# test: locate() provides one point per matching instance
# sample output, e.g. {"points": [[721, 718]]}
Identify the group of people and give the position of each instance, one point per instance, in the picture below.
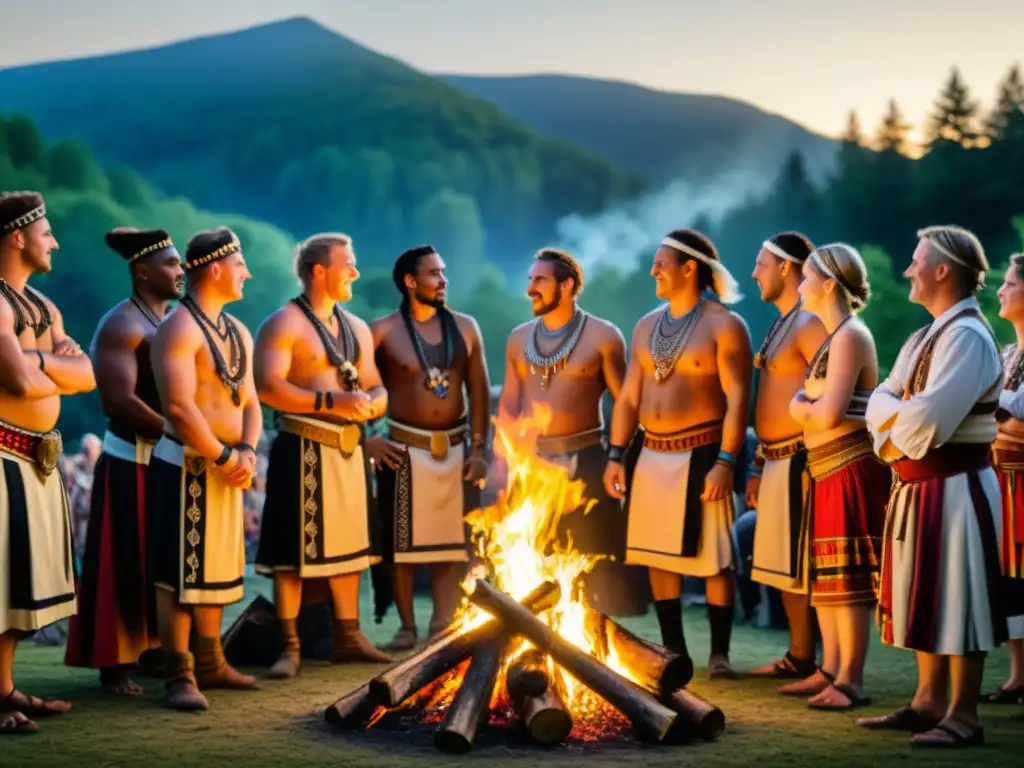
{"points": [[895, 496]]}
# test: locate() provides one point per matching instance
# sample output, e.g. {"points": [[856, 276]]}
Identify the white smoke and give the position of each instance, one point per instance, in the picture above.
{"points": [[616, 236]]}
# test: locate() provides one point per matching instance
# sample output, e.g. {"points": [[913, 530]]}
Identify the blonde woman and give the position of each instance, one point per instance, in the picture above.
{"points": [[851, 486], [1008, 455]]}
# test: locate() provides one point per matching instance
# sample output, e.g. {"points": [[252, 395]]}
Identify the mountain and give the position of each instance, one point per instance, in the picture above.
{"points": [[296, 125], [664, 135]]}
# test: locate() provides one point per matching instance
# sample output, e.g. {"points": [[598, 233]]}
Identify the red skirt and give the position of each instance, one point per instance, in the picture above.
{"points": [[1010, 468], [116, 619], [850, 493]]}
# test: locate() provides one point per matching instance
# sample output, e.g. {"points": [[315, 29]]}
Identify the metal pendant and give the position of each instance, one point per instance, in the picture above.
{"points": [[438, 382], [545, 378], [236, 396]]}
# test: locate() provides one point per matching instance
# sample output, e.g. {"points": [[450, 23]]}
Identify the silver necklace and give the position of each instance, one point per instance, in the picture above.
{"points": [[549, 364], [667, 341]]}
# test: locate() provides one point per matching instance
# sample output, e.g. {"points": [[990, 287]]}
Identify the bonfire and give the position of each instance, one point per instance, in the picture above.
{"points": [[525, 650]]}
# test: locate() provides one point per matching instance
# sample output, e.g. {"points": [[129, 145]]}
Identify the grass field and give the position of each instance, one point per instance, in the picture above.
{"points": [[282, 723]]}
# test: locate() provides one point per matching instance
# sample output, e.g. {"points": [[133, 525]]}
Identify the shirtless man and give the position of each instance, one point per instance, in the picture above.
{"points": [[199, 468], [115, 624], [567, 359], [687, 387], [430, 358], [315, 367], [39, 363], [780, 466]]}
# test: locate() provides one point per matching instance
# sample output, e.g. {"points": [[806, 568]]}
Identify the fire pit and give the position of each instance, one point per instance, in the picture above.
{"points": [[525, 650]]}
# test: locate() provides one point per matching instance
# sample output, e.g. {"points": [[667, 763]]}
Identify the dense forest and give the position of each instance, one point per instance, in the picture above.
{"points": [[968, 172]]}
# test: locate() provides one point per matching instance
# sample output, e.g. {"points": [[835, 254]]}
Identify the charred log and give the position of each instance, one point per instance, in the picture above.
{"points": [[658, 669], [651, 719], [527, 675], [471, 706], [448, 650], [698, 716], [544, 717], [352, 711]]}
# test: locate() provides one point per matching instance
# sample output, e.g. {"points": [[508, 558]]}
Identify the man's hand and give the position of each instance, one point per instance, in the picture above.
{"points": [[353, 406], [237, 471], [718, 483], [475, 470], [247, 457], [753, 487], [67, 347], [615, 480], [381, 450]]}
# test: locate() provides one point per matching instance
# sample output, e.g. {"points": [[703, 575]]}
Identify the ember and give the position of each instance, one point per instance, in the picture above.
{"points": [[525, 649]]}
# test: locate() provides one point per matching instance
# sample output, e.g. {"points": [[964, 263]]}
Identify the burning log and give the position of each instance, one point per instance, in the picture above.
{"points": [[527, 675], [544, 716], [471, 706], [451, 648], [658, 669], [698, 716], [650, 718], [352, 711]]}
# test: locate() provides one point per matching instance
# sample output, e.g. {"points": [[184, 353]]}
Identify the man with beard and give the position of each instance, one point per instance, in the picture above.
{"points": [[199, 468], [779, 484], [116, 621], [686, 387], [566, 359], [428, 476], [315, 367], [39, 363]]}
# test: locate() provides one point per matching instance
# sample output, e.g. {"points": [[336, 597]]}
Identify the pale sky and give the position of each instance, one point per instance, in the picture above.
{"points": [[810, 60]]}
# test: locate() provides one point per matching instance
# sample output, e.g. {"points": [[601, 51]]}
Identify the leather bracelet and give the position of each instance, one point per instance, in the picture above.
{"points": [[329, 400], [727, 458], [244, 447], [42, 360], [754, 470], [318, 400], [616, 453], [225, 455]]}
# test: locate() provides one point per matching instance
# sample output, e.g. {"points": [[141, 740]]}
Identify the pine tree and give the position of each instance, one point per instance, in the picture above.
{"points": [[852, 134], [893, 132], [955, 116], [1006, 120]]}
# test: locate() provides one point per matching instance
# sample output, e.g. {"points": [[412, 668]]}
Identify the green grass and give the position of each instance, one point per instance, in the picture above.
{"points": [[282, 723]]}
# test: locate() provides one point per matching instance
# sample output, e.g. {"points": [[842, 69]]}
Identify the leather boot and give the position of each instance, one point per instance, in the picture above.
{"points": [[213, 670], [349, 644], [289, 663], [180, 690]]}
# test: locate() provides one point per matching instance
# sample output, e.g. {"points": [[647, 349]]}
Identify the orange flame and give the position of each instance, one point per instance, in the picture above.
{"points": [[517, 541]]}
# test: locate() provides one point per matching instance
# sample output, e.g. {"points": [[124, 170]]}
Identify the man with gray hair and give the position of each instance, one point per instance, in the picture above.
{"points": [[933, 420], [314, 366]]}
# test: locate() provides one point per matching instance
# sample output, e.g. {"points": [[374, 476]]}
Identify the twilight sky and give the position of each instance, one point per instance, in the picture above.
{"points": [[810, 60]]}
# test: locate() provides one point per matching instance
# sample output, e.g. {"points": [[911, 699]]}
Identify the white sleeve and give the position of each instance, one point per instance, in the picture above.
{"points": [[963, 369]]}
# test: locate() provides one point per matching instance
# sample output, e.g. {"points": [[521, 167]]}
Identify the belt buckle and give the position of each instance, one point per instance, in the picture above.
{"points": [[47, 452], [439, 445], [349, 440]]}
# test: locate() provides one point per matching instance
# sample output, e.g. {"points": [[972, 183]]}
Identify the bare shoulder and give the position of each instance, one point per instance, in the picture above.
{"points": [[359, 326], [810, 327], [382, 326], [178, 327], [243, 330], [466, 323], [517, 336], [47, 301], [120, 326], [727, 323], [644, 324], [279, 323], [606, 332]]}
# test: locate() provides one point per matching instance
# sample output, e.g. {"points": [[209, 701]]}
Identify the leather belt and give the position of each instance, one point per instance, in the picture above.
{"points": [[684, 440], [345, 438], [563, 444], [43, 450], [782, 449], [438, 441]]}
